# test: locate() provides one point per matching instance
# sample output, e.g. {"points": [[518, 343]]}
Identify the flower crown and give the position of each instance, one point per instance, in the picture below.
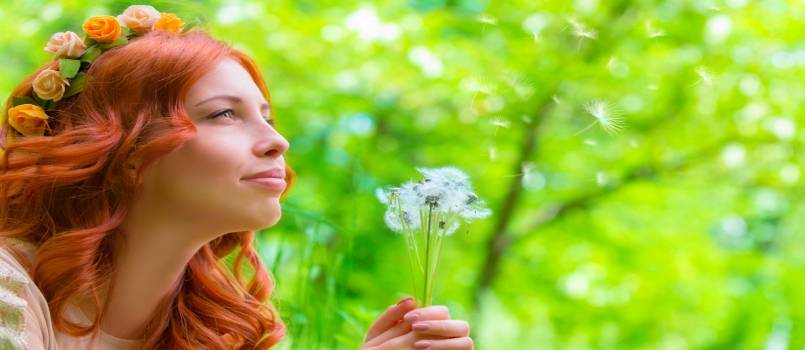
{"points": [[75, 54]]}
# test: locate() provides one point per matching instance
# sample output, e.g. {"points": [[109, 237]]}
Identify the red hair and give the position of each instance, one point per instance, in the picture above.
{"points": [[69, 190]]}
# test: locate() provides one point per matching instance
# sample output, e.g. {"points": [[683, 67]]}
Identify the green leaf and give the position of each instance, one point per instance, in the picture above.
{"points": [[39, 101], [88, 41], [125, 31], [91, 54], [68, 67], [192, 24], [76, 85], [21, 100], [120, 41]]}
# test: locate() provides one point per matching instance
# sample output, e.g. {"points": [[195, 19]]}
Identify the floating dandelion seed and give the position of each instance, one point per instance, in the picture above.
{"points": [[500, 123], [704, 76], [477, 87], [605, 114], [530, 176], [582, 32], [653, 32], [601, 178], [425, 212], [556, 99], [520, 84], [486, 19]]}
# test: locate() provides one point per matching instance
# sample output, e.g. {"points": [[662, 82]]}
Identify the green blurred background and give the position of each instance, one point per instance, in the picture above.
{"points": [[681, 231]]}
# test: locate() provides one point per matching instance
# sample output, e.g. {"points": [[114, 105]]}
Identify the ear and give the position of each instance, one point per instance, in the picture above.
{"points": [[132, 166]]}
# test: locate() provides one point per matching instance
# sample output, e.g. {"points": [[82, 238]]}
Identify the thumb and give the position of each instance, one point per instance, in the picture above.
{"points": [[390, 317]]}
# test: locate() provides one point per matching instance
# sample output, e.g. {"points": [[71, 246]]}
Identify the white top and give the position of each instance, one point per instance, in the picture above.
{"points": [[25, 317]]}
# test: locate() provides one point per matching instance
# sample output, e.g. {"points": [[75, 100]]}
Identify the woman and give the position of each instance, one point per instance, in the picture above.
{"points": [[128, 176]]}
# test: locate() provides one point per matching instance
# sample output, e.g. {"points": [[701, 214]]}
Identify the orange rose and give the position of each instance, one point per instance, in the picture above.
{"points": [[28, 119], [103, 29], [169, 22]]}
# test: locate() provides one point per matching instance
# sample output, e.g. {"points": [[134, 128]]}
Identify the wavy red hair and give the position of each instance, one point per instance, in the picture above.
{"points": [[68, 191]]}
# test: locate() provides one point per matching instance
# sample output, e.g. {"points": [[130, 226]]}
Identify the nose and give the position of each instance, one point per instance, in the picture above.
{"points": [[272, 145]]}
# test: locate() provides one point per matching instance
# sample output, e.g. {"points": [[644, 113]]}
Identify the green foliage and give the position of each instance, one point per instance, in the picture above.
{"points": [[682, 230]]}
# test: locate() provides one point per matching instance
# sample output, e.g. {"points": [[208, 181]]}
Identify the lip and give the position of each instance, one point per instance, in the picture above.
{"points": [[277, 173], [272, 178], [269, 182]]}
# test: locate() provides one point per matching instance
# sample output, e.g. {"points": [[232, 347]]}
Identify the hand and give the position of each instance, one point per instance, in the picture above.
{"points": [[404, 327]]}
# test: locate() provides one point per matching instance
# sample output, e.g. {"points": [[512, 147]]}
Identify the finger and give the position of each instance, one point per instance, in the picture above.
{"points": [[390, 317], [397, 330], [443, 328], [436, 312], [464, 343]]}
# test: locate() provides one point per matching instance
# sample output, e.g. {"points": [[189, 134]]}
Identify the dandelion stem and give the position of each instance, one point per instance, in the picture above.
{"points": [[437, 254], [585, 129], [426, 288], [408, 241]]}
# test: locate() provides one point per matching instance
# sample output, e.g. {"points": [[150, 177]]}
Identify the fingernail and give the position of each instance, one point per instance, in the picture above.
{"points": [[405, 300], [411, 317], [422, 345], [420, 327]]}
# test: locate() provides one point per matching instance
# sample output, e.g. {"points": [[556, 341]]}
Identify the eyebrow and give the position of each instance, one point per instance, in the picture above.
{"points": [[236, 99]]}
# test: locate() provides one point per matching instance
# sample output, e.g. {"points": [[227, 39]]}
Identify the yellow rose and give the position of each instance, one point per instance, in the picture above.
{"points": [[103, 29], [28, 119], [66, 44], [139, 18], [49, 85], [169, 22]]}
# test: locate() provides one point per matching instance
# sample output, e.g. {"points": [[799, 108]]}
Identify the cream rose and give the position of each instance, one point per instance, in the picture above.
{"points": [[49, 85], [139, 18], [66, 44]]}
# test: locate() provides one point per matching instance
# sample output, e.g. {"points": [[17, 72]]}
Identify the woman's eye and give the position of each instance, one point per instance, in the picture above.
{"points": [[224, 112], [230, 112]]}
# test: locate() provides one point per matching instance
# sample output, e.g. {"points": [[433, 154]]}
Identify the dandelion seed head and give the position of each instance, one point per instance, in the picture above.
{"points": [[446, 191], [607, 115]]}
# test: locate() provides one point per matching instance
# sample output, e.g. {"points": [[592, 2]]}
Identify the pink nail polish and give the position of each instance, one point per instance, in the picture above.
{"points": [[405, 300], [411, 317], [420, 327], [422, 345]]}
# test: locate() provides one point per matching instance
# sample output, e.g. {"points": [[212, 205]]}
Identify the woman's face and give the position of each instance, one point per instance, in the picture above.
{"points": [[203, 180]]}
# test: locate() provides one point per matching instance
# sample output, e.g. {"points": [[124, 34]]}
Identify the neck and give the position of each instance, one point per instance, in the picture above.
{"points": [[147, 269], [149, 264]]}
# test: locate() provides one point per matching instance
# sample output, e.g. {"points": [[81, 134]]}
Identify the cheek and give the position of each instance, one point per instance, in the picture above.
{"points": [[201, 175]]}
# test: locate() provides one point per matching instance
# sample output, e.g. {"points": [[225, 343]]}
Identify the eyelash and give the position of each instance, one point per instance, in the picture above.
{"points": [[229, 110]]}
